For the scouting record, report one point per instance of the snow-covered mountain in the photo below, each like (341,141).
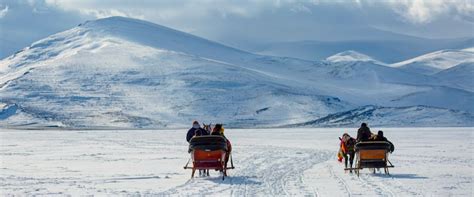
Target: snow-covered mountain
(394,117)
(352,56)
(388,49)
(129,73)
(437,61)
(122,72)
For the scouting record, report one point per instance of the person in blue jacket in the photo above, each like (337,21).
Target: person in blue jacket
(196,130)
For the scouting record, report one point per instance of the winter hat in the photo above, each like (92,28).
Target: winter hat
(196,124)
(218,130)
(363,124)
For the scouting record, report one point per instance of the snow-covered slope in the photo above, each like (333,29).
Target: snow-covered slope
(392,116)
(351,56)
(462,75)
(102,74)
(121,72)
(437,61)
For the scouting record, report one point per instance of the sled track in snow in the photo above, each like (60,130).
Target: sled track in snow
(339,179)
(378,187)
(270,170)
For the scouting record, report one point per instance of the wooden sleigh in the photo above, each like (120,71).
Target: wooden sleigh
(372,155)
(209,153)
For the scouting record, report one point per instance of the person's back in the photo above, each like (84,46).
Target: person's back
(363,134)
(219,130)
(196,130)
(380,137)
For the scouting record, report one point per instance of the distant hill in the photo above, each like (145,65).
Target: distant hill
(437,61)
(389,50)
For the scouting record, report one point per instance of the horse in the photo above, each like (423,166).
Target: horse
(208,128)
(347,147)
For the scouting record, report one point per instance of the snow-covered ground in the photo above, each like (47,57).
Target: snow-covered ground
(269,162)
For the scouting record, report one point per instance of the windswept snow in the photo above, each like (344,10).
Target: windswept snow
(269,162)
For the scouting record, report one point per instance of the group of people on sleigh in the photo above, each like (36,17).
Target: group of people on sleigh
(218,129)
(347,144)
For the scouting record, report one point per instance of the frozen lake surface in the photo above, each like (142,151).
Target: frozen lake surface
(269,162)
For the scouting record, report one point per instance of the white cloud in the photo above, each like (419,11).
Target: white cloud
(425,11)
(413,11)
(250,21)
(109,12)
(4,11)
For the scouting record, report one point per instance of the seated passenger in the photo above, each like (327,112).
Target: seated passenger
(219,130)
(363,134)
(380,137)
(196,130)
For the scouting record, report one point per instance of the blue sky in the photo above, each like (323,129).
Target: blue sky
(240,21)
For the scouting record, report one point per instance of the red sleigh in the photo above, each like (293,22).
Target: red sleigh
(209,153)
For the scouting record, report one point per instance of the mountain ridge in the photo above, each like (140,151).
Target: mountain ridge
(103,74)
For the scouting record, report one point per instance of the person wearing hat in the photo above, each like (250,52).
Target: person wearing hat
(196,130)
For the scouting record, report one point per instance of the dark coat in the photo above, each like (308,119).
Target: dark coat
(363,134)
(392,147)
(195,132)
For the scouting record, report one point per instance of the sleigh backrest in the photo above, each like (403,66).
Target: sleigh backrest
(373,150)
(209,143)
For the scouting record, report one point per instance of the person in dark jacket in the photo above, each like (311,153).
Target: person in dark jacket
(219,130)
(196,130)
(380,137)
(363,134)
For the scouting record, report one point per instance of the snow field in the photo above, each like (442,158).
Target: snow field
(276,162)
